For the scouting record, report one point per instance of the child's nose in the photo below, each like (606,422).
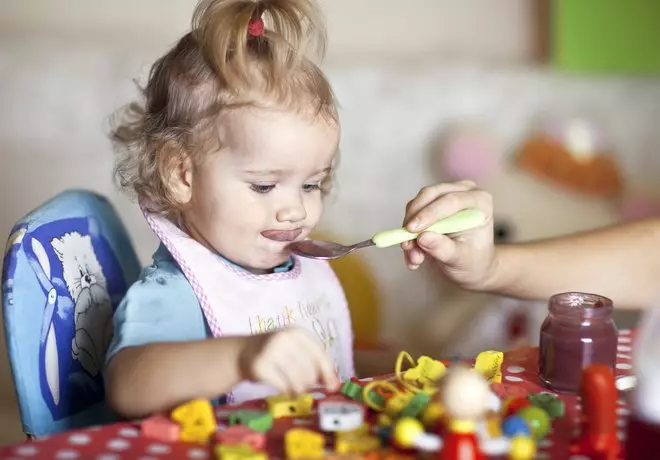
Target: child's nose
(293,211)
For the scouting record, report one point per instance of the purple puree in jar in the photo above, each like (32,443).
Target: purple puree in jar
(578,331)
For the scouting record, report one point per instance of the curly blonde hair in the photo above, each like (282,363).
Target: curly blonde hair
(219,65)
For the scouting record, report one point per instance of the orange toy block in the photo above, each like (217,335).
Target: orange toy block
(160,428)
(240,434)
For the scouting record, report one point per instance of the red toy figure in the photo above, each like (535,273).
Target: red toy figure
(598,439)
(464,393)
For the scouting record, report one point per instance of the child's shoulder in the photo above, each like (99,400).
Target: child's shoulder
(163,280)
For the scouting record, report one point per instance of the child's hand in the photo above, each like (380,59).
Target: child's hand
(289,359)
(467,257)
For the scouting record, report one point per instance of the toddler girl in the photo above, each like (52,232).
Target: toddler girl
(230,156)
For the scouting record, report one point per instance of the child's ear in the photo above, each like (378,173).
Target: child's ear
(178,176)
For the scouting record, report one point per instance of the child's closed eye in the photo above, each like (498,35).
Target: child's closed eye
(312,187)
(262,188)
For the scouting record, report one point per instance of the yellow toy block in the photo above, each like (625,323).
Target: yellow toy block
(396,403)
(489,364)
(238,452)
(427,372)
(283,406)
(432,414)
(196,420)
(302,444)
(359,444)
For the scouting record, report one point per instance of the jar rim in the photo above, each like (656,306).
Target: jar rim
(582,304)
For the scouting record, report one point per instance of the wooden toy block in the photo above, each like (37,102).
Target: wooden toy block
(196,420)
(357,444)
(352,390)
(340,416)
(238,452)
(256,420)
(241,435)
(303,444)
(283,406)
(396,404)
(160,428)
(489,364)
(427,372)
(416,405)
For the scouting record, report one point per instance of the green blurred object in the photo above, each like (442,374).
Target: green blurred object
(606,36)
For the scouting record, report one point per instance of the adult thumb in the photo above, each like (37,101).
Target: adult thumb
(439,246)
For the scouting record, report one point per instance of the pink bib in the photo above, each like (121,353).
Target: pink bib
(237,302)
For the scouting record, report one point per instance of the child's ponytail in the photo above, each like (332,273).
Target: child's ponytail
(234,35)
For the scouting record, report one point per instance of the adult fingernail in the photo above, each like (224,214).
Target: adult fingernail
(414,225)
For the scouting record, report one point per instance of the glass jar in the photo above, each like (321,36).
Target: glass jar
(578,331)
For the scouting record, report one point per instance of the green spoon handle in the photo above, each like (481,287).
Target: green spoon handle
(467,219)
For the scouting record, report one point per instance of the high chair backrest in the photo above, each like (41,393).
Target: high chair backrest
(66,266)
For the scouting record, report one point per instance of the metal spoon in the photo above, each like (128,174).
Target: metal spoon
(466,219)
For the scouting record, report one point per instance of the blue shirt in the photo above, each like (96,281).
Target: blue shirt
(161,306)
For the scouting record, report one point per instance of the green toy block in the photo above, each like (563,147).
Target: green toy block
(255,420)
(352,390)
(549,403)
(376,398)
(416,405)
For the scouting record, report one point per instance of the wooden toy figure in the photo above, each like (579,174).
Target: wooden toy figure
(598,439)
(465,394)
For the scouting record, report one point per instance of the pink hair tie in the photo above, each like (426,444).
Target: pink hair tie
(256,27)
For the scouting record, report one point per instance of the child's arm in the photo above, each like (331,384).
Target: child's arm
(152,378)
(621,262)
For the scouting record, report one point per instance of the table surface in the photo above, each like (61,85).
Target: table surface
(123,440)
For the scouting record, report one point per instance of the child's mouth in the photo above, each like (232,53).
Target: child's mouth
(282,235)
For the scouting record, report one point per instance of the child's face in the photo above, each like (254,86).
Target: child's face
(261,192)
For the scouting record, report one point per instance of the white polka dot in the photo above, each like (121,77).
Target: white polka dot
(624,348)
(621,435)
(513,378)
(545,443)
(624,366)
(158,449)
(66,455)
(515,369)
(118,444)
(625,340)
(80,439)
(129,432)
(26,451)
(621,422)
(623,356)
(624,332)
(107,457)
(317,396)
(622,411)
(197,454)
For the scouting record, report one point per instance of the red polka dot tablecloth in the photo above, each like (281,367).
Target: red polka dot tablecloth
(123,441)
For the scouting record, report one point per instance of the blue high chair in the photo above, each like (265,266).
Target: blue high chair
(66,266)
